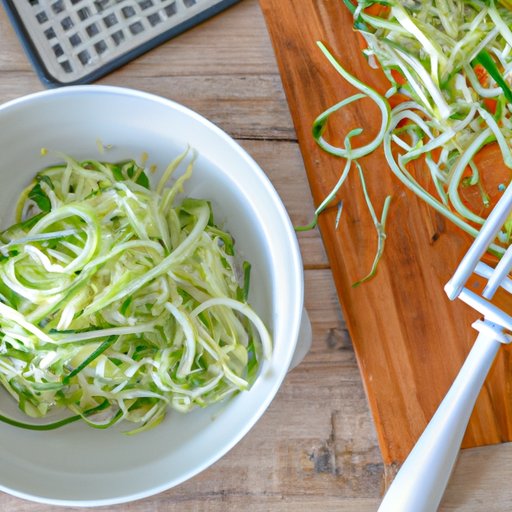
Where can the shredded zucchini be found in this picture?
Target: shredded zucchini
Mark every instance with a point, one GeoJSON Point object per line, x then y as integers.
{"type": "Point", "coordinates": [122, 299]}
{"type": "Point", "coordinates": [449, 67]}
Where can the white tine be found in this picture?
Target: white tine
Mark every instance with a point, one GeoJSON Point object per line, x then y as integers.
{"type": "Point", "coordinates": [487, 234]}
{"type": "Point", "coordinates": [486, 271]}
{"type": "Point", "coordinates": [491, 312]}
{"type": "Point", "coordinates": [500, 272]}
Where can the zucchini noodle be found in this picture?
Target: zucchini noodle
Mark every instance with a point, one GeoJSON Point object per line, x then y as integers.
{"type": "Point", "coordinates": [118, 302]}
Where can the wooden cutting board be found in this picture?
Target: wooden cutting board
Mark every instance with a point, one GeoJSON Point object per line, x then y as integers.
{"type": "Point", "coordinates": [410, 340]}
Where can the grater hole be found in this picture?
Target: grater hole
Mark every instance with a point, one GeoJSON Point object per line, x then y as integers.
{"type": "Point", "coordinates": [136, 28]}
{"type": "Point", "coordinates": [154, 19]}
{"type": "Point", "coordinates": [74, 2]}
{"type": "Point", "coordinates": [66, 66]}
{"type": "Point", "coordinates": [146, 4]}
{"type": "Point", "coordinates": [128, 11]}
{"type": "Point", "coordinates": [75, 40]}
{"type": "Point", "coordinates": [58, 6]}
{"type": "Point", "coordinates": [100, 47]}
{"type": "Point", "coordinates": [84, 57]}
{"type": "Point", "coordinates": [110, 20]}
{"type": "Point", "coordinates": [33, 2]}
{"type": "Point", "coordinates": [101, 5]}
{"type": "Point", "coordinates": [171, 9]}
{"type": "Point", "coordinates": [83, 13]}
{"type": "Point", "coordinates": [118, 37]}
{"type": "Point", "coordinates": [42, 17]}
{"type": "Point", "coordinates": [92, 30]}
{"type": "Point", "coordinates": [50, 33]}
{"type": "Point", "coordinates": [189, 3]}
{"type": "Point", "coordinates": [57, 50]}
{"type": "Point", "coordinates": [67, 23]}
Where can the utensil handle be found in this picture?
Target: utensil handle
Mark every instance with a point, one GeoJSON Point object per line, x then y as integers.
{"type": "Point", "coordinates": [422, 479]}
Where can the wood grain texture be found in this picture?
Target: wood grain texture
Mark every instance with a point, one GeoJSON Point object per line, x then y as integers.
{"type": "Point", "coordinates": [409, 339]}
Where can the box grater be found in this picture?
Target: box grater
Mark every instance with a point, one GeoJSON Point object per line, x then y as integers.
{"type": "Point", "coordinates": [78, 41]}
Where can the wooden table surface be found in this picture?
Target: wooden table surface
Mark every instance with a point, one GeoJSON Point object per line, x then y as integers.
{"type": "Point", "coordinates": [315, 448]}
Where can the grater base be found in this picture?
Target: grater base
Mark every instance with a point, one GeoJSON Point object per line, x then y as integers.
{"type": "Point", "coordinates": [78, 41]}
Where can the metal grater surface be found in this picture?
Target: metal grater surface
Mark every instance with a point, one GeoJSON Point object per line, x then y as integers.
{"type": "Point", "coordinates": [77, 41]}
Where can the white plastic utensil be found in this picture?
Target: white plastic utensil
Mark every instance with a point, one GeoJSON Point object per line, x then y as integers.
{"type": "Point", "coordinates": [422, 479]}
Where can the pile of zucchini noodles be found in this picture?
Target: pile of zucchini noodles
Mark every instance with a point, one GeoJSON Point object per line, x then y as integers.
{"type": "Point", "coordinates": [449, 67]}
{"type": "Point", "coordinates": [118, 302]}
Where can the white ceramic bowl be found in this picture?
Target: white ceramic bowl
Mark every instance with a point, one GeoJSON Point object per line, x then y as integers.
{"type": "Point", "coordinates": [78, 465]}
